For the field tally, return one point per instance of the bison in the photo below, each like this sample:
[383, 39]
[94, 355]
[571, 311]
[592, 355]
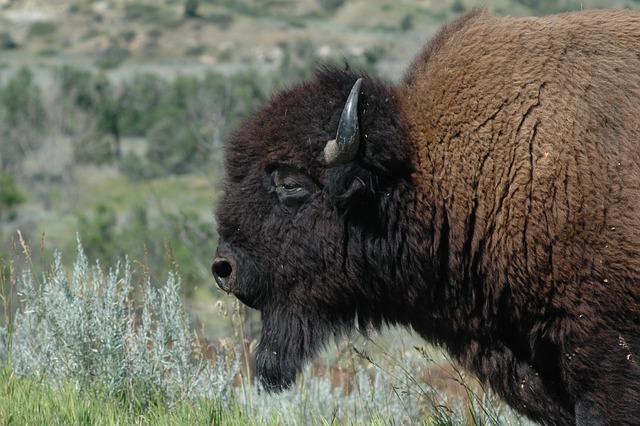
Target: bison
[489, 201]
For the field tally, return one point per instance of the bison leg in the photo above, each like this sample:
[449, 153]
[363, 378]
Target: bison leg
[516, 382]
[603, 375]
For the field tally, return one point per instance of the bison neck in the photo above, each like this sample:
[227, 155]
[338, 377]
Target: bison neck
[422, 266]
[454, 266]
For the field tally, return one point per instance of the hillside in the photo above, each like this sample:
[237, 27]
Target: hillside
[165, 36]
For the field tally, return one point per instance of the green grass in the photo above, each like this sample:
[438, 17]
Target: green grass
[33, 401]
[106, 186]
[29, 401]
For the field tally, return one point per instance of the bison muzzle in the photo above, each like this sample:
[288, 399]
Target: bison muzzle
[490, 201]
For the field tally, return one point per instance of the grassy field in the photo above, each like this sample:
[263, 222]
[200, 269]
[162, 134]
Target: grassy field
[28, 401]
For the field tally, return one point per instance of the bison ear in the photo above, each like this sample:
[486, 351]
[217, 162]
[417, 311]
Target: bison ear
[351, 187]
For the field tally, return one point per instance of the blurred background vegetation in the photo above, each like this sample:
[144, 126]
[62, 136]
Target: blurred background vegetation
[114, 113]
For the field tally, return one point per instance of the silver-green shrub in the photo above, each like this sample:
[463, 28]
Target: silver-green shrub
[87, 327]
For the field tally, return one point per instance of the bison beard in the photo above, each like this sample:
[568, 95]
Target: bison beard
[288, 340]
[489, 202]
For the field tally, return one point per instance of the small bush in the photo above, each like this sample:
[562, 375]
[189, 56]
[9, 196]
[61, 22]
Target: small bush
[374, 54]
[48, 52]
[22, 100]
[172, 147]
[154, 33]
[41, 29]
[7, 42]
[198, 50]
[221, 20]
[93, 149]
[331, 5]
[128, 36]
[86, 327]
[191, 9]
[10, 196]
[458, 6]
[406, 24]
[134, 167]
[112, 57]
[142, 12]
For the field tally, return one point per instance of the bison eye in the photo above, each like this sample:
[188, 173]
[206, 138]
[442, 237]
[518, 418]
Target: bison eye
[292, 187]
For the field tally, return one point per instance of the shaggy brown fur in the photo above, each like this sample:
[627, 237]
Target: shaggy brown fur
[529, 133]
[493, 207]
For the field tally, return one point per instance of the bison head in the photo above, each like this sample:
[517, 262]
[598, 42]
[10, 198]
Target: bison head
[312, 181]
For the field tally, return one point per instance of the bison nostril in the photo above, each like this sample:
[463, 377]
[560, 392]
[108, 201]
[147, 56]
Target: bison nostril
[221, 268]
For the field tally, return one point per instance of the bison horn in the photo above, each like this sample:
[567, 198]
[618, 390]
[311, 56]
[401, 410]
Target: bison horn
[344, 147]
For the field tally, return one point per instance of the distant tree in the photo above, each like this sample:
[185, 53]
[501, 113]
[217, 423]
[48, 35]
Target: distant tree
[76, 85]
[191, 9]
[143, 98]
[22, 118]
[173, 149]
[208, 118]
[331, 5]
[113, 56]
[47, 167]
[373, 55]
[406, 24]
[135, 168]
[22, 99]
[98, 234]
[181, 89]
[10, 196]
[7, 42]
[42, 29]
[109, 110]
[245, 92]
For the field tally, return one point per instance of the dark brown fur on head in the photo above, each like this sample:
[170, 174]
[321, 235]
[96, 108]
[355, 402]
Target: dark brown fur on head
[303, 264]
